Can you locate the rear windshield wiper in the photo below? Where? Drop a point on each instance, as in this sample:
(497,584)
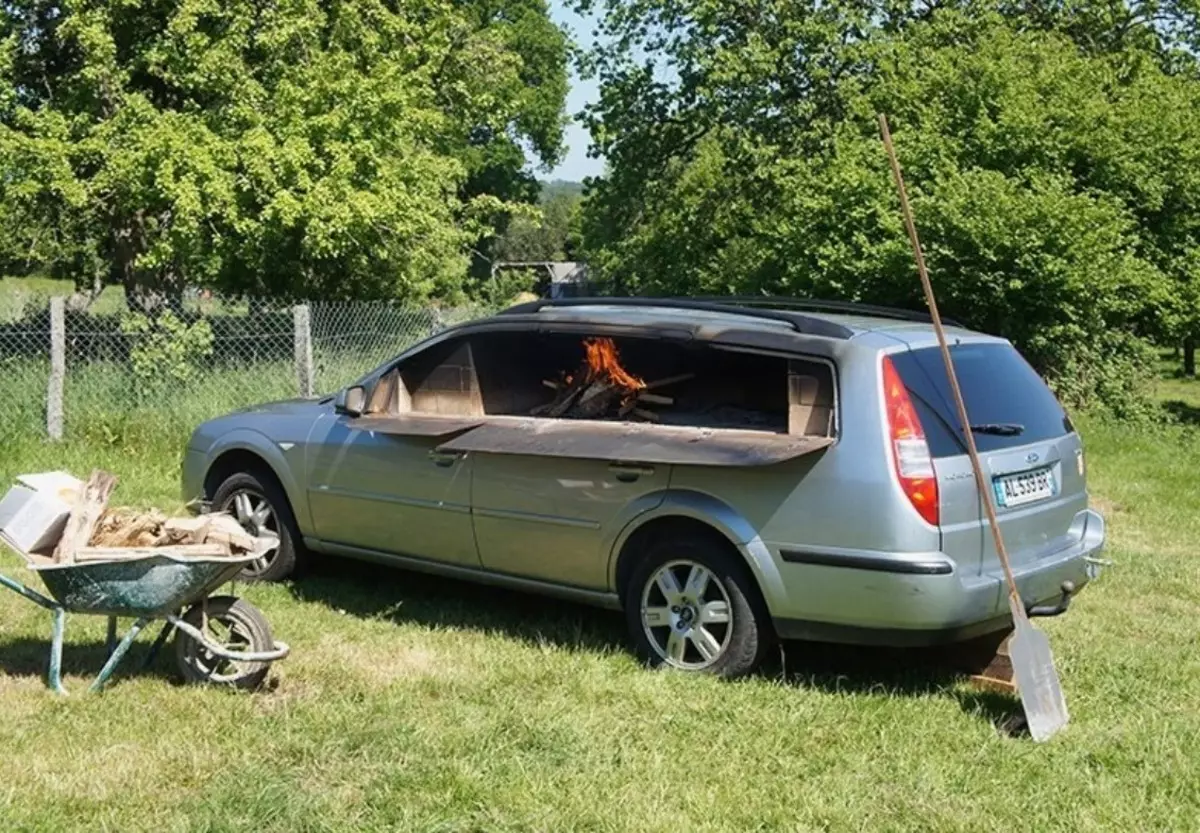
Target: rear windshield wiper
(1000,429)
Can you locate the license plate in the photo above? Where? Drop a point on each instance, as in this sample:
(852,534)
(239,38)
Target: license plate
(1026,487)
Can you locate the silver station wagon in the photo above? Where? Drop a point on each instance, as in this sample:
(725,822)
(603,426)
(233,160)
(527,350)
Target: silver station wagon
(726,472)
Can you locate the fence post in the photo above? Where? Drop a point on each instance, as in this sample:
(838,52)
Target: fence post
(58,368)
(303,349)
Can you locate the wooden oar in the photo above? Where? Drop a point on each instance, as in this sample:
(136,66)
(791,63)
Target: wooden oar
(1029,649)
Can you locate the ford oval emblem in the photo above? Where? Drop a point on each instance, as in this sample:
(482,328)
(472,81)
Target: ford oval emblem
(1032,457)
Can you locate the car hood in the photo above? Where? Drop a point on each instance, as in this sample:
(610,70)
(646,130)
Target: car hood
(286,407)
(289,420)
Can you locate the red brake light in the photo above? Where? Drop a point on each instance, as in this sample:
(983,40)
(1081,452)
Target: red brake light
(911,459)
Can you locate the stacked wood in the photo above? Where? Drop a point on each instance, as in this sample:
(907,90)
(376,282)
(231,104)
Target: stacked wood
(125,533)
(89,506)
(94,532)
(601,388)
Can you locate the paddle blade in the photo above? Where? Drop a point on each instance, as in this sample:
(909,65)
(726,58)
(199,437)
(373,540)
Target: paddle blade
(1037,680)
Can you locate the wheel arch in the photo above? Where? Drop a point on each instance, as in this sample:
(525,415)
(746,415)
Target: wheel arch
(699,513)
(245,451)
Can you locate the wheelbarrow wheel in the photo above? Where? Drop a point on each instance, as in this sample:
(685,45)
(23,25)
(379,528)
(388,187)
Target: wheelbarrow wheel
(234,624)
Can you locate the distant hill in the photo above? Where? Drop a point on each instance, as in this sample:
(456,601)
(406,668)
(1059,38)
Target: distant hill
(561,186)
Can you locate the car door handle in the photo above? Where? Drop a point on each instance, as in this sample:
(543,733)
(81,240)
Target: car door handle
(629,473)
(444,459)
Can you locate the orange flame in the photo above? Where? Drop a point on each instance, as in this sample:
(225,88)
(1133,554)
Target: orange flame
(604,363)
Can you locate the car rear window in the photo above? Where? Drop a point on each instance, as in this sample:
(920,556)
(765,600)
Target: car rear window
(999,388)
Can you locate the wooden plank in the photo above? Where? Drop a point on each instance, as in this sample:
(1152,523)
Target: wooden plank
(655,399)
(416,425)
(633,442)
(669,380)
(85,514)
(88,554)
(187,530)
(226,531)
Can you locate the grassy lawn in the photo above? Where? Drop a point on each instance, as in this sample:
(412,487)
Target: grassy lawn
(417,704)
(16,292)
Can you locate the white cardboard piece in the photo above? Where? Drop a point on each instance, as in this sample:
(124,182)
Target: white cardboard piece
(34,512)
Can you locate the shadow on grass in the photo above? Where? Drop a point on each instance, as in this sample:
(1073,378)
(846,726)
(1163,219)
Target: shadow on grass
(906,672)
(30,657)
(371,591)
(1004,711)
(1185,412)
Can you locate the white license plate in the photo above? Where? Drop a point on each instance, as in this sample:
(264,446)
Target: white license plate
(1026,487)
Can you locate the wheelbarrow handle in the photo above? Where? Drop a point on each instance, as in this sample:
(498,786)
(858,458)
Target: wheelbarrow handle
(280,651)
(32,595)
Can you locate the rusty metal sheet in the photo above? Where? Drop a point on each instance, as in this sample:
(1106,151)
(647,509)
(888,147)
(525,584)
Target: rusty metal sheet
(417,425)
(633,442)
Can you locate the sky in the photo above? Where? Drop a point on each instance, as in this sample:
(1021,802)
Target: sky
(576,164)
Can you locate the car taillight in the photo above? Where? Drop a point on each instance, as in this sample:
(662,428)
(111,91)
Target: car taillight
(910,453)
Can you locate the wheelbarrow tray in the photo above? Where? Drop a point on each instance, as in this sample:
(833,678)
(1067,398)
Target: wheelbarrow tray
(149,587)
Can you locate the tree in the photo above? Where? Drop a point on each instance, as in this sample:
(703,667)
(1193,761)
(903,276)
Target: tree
(550,234)
(1055,185)
(340,148)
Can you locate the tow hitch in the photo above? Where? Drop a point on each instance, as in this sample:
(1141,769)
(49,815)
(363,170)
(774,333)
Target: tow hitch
(1057,609)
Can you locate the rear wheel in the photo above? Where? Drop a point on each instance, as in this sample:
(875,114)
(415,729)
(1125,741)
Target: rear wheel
(258,503)
(233,624)
(691,604)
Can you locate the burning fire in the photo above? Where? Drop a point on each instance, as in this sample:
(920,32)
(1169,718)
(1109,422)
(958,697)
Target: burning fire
(603,362)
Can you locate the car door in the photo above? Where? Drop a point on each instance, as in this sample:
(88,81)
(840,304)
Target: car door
(379,483)
(551,518)
(391,493)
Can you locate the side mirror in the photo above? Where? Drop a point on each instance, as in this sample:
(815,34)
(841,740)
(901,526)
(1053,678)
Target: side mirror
(350,401)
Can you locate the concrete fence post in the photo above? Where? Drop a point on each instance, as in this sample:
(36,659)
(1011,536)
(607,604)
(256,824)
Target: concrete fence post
(303,349)
(58,368)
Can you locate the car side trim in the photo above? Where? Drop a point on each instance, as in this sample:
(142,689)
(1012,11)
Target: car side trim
(875,563)
(533,517)
(582,595)
(376,497)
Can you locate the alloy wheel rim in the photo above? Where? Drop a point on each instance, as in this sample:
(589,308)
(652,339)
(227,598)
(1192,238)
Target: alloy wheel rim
(686,615)
(254,513)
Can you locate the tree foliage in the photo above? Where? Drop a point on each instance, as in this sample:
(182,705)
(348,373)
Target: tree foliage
(551,233)
(1052,152)
(298,147)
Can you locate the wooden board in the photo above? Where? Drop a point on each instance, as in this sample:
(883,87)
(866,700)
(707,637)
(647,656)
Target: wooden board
(84,554)
(85,514)
(417,425)
(633,443)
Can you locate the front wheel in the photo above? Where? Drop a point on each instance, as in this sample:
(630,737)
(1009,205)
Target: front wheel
(691,604)
(260,506)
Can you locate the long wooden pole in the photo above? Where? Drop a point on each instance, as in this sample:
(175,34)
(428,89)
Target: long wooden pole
(981,481)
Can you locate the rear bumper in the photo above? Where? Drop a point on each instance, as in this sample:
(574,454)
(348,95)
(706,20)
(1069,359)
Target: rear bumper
(911,601)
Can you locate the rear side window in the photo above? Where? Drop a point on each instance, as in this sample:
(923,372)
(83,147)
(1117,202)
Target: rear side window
(999,388)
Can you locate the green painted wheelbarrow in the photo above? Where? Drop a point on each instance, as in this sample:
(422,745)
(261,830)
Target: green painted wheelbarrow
(218,639)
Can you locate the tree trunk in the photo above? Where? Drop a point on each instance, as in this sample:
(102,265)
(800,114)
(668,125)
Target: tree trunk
(1189,356)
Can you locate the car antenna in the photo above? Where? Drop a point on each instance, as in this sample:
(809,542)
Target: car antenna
(1029,649)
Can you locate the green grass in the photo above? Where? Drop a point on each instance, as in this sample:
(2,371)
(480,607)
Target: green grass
(15,293)
(417,704)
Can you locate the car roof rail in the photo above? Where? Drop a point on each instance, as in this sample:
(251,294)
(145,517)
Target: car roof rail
(804,324)
(818,305)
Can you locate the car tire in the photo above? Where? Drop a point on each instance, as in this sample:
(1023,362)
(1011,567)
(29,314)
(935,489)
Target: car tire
(722,630)
(261,489)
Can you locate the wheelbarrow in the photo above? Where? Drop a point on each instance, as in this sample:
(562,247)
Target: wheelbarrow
(218,639)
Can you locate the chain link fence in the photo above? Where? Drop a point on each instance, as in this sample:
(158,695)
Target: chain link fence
(123,376)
